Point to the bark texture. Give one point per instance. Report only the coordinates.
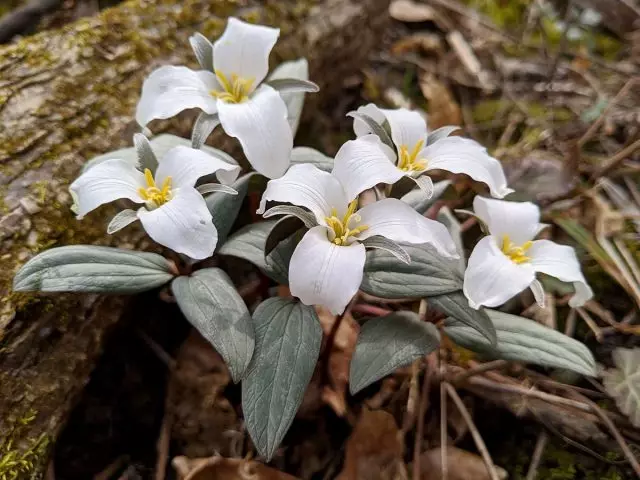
(70, 94)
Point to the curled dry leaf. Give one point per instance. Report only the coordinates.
(220, 468)
(461, 465)
(408, 11)
(374, 449)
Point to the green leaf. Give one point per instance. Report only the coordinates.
(84, 268)
(375, 128)
(623, 382)
(429, 273)
(312, 156)
(146, 156)
(293, 100)
(291, 85)
(387, 343)
(224, 207)
(288, 338)
(203, 50)
(210, 301)
(419, 200)
(249, 243)
(524, 340)
(457, 306)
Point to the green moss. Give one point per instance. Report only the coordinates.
(22, 462)
(509, 14)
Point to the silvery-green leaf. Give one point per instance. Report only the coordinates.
(224, 208)
(293, 85)
(420, 201)
(121, 220)
(146, 157)
(202, 128)
(440, 133)
(523, 340)
(375, 127)
(210, 301)
(249, 242)
(623, 382)
(295, 100)
(387, 343)
(203, 49)
(448, 219)
(288, 338)
(305, 216)
(383, 243)
(456, 305)
(428, 273)
(216, 187)
(282, 230)
(313, 156)
(85, 268)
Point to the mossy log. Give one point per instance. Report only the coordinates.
(70, 94)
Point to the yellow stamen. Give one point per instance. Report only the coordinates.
(408, 161)
(515, 253)
(340, 227)
(153, 195)
(234, 90)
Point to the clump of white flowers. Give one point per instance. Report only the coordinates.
(345, 225)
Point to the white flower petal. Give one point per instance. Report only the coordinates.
(243, 49)
(108, 181)
(186, 165)
(461, 155)
(491, 277)
(407, 127)
(360, 128)
(183, 224)
(538, 292)
(519, 220)
(561, 262)
(169, 90)
(323, 273)
(361, 164)
(261, 126)
(397, 221)
(305, 185)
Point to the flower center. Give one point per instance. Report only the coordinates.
(409, 161)
(235, 89)
(152, 195)
(517, 254)
(340, 227)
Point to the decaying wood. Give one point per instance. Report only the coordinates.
(70, 94)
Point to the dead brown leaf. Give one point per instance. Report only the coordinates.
(461, 465)
(443, 108)
(418, 42)
(220, 468)
(408, 11)
(374, 450)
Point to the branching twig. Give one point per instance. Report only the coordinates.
(485, 367)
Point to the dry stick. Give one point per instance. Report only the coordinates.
(591, 323)
(444, 463)
(617, 158)
(163, 448)
(485, 367)
(477, 438)
(422, 410)
(413, 398)
(570, 326)
(541, 443)
(592, 129)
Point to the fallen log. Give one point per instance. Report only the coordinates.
(68, 95)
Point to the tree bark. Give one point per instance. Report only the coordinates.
(68, 95)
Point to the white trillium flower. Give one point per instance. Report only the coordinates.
(418, 152)
(505, 262)
(327, 265)
(248, 110)
(174, 213)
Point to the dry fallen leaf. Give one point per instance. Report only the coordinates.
(461, 465)
(374, 450)
(408, 11)
(418, 42)
(220, 468)
(443, 108)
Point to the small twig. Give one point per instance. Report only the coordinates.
(164, 441)
(485, 367)
(477, 438)
(570, 326)
(413, 399)
(422, 410)
(591, 323)
(371, 310)
(617, 158)
(541, 444)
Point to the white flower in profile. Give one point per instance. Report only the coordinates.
(229, 85)
(174, 213)
(418, 152)
(327, 265)
(505, 262)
